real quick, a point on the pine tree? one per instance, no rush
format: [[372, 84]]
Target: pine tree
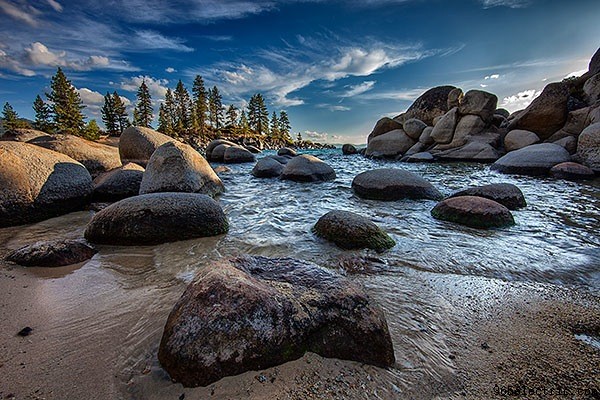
[[200, 107], [274, 128], [258, 115], [284, 125], [42, 115], [109, 116], [165, 120], [122, 119], [91, 130], [183, 120], [231, 116], [142, 113], [244, 121], [66, 104], [10, 119], [215, 108]]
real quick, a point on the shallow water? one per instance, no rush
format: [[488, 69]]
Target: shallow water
[[555, 240]]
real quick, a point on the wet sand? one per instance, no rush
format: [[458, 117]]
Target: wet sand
[[96, 335]]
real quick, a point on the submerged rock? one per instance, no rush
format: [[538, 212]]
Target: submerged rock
[[352, 231], [349, 149], [177, 167], [157, 218], [37, 184], [137, 144], [307, 168], [119, 183], [393, 184], [56, 253], [572, 171], [536, 159], [253, 313], [506, 194], [476, 212]]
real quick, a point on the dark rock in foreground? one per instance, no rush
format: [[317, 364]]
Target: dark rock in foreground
[[352, 231], [157, 218], [393, 184], [307, 168], [572, 171], [52, 254], [476, 212], [536, 159], [119, 183], [37, 184], [506, 194], [253, 313]]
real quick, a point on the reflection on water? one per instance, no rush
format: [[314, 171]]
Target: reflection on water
[[556, 240]]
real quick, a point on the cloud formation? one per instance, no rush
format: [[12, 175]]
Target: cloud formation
[[520, 100], [356, 90], [156, 87]]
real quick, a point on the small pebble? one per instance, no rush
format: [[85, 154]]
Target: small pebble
[[25, 331]]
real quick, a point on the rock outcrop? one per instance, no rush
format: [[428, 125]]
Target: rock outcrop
[[177, 167], [157, 218], [391, 184], [352, 231], [384, 125], [429, 105], [137, 144], [37, 184], [253, 313]]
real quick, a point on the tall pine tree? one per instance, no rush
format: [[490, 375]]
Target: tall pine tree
[[109, 116], [258, 115], [165, 121], [200, 107], [183, 114], [122, 119], [274, 128], [215, 108], [66, 105], [142, 113], [10, 119], [284, 125], [231, 116], [43, 115]]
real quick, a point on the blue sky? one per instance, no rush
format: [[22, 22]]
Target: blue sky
[[335, 66]]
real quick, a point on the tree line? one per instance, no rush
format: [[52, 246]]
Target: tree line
[[200, 114]]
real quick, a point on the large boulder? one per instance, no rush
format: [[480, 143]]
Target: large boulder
[[307, 168], [480, 103], [506, 194], [352, 231], [588, 146], [476, 212], [569, 143], [384, 125], [157, 218], [390, 144], [425, 137], [454, 98], [591, 89], [253, 313], [138, 143], [594, 65], [213, 145], [177, 167], [287, 152], [468, 126], [349, 149], [237, 155], [443, 131], [414, 127], [268, 167], [430, 104], [517, 139], [37, 184], [51, 254], [393, 184], [218, 153], [572, 171], [536, 159], [96, 157], [477, 151], [119, 183], [546, 114]]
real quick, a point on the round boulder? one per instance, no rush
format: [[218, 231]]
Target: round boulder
[[349, 149], [476, 212], [268, 167], [443, 131], [517, 139], [506, 194], [480, 103], [414, 127], [177, 167], [119, 183], [307, 168], [252, 313], [96, 157], [430, 104], [157, 218], [536, 159], [137, 144], [352, 231], [384, 125], [220, 154], [390, 144], [37, 184], [52, 254], [393, 184], [572, 171], [588, 146], [237, 155], [286, 151]]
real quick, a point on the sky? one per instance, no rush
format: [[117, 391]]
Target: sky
[[335, 66]]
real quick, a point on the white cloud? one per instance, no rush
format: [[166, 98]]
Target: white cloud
[[505, 3], [332, 107], [151, 40], [483, 85], [37, 54], [55, 5], [494, 76], [356, 90], [520, 100], [575, 74], [27, 16], [90, 97], [402, 95], [9, 63], [315, 136], [156, 87], [170, 70]]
